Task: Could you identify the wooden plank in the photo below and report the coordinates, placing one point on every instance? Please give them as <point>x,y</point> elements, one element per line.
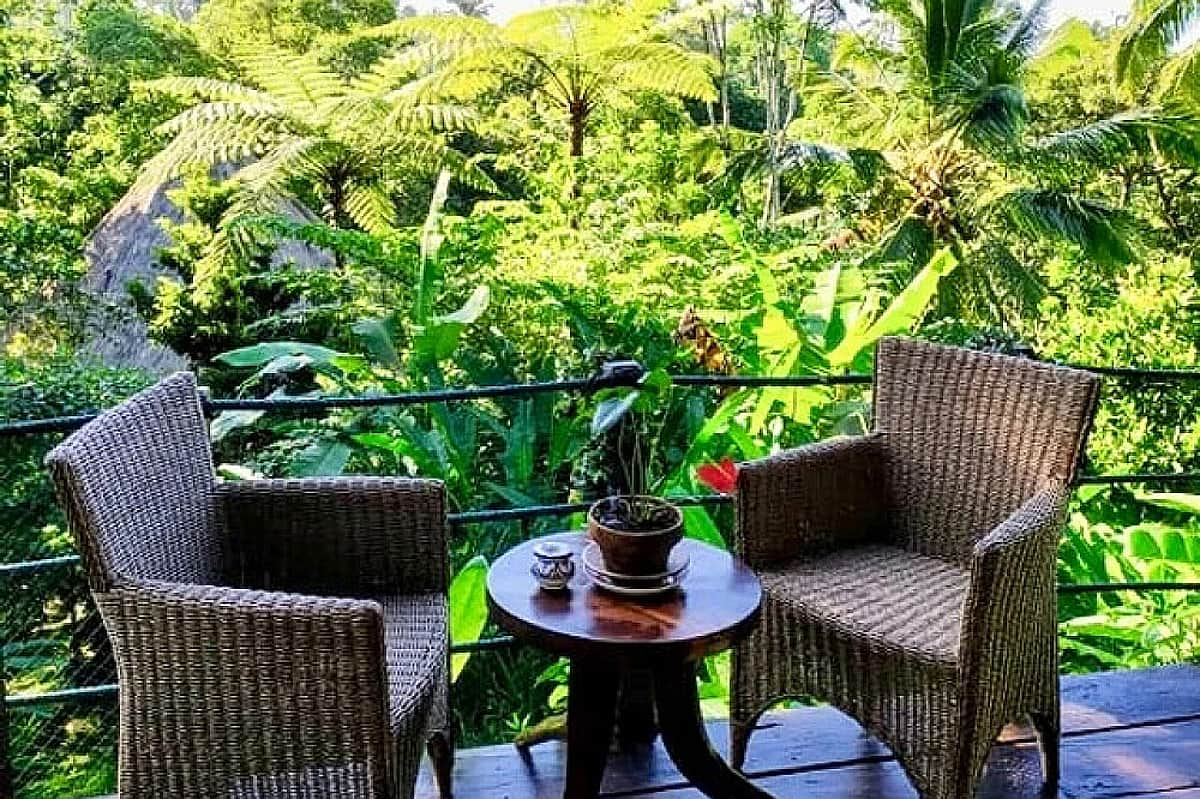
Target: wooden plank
<point>1142,761</point>
<point>796,744</point>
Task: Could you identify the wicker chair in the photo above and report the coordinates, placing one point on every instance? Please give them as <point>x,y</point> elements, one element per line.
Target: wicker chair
<point>274,638</point>
<point>909,575</point>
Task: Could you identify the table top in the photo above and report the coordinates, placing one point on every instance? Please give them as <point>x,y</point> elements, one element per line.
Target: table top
<point>717,604</point>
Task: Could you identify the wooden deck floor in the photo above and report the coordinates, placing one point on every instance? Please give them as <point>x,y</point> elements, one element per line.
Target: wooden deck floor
<point>1127,734</point>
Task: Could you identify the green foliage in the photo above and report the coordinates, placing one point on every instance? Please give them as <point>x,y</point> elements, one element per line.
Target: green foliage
<point>371,205</point>
<point>580,57</point>
<point>1122,629</point>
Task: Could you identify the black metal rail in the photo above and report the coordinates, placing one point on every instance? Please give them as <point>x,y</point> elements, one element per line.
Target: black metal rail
<point>607,378</point>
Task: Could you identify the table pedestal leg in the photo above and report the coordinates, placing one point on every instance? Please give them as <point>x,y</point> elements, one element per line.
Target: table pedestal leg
<point>591,711</point>
<point>682,728</point>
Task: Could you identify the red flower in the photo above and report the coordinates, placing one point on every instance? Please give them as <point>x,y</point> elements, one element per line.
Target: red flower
<point>720,477</point>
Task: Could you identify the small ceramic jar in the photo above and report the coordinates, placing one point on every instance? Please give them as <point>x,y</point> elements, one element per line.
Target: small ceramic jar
<point>552,565</point>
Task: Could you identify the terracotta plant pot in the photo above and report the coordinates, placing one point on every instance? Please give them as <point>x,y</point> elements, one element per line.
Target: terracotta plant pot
<point>638,551</point>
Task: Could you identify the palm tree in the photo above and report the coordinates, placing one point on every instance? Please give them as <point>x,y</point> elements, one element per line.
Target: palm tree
<point>937,103</point>
<point>1147,45</point>
<point>296,129</point>
<point>578,56</point>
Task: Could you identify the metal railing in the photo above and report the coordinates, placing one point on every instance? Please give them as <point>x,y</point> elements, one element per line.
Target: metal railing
<point>608,377</point>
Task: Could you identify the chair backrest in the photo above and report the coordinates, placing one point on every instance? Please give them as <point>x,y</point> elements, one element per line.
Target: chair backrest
<point>971,436</point>
<point>137,484</point>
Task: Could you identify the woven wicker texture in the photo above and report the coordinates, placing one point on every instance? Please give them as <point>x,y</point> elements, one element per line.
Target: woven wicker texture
<point>316,667</point>
<point>909,574</point>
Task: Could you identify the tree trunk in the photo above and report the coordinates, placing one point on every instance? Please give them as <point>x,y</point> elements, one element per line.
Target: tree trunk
<point>578,123</point>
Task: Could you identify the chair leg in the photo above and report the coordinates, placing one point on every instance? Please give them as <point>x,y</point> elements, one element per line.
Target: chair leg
<point>1049,736</point>
<point>739,741</point>
<point>441,754</point>
<point>745,709</point>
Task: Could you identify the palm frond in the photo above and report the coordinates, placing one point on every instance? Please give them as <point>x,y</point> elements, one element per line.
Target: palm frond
<point>1181,79</point>
<point>440,117</point>
<point>1173,133</point>
<point>467,171</point>
<point>1153,33</point>
<point>371,207</point>
<point>992,115</point>
<point>222,142</point>
<point>465,79</point>
<point>444,27</point>
<point>663,67</point>
<point>985,101</point>
<point>909,242</point>
<point>207,89</point>
<point>1102,232</point>
<point>1029,31</point>
<point>264,183</point>
<point>243,112</point>
<point>300,82</point>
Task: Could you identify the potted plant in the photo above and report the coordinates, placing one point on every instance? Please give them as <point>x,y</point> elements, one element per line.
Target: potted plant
<point>635,532</point>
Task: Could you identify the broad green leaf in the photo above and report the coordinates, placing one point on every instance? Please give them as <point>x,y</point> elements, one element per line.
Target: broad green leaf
<point>1173,545</point>
<point>1142,543</point>
<point>383,441</point>
<point>468,609</point>
<point>776,335</point>
<point>471,310</point>
<point>768,284</point>
<point>237,472</point>
<point>902,314</point>
<point>611,411</point>
<point>377,335</point>
<point>517,499</point>
<point>824,296</point>
<point>228,421</point>
<point>699,525</point>
<point>260,354</point>
<point>1104,656</point>
<point>1186,503</point>
<point>656,382</point>
<point>437,341</point>
<point>321,459</point>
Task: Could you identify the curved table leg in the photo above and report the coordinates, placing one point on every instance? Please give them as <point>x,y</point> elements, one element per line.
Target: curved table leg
<point>591,712</point>
<point>683,733</point>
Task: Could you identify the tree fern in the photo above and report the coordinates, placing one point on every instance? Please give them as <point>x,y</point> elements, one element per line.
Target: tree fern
<point>575,54</point>
<point>295,124</point>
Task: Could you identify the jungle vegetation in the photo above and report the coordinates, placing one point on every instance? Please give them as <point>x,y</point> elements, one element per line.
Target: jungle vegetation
<point>305,197</point>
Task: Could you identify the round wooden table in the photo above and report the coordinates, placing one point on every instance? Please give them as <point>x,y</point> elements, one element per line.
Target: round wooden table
<point>603,634</point>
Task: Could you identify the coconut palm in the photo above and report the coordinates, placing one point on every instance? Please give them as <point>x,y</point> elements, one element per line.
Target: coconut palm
<point>1148,42</point>
<point>579,57</point>
<point>937,100</point>
<point>295,130</point>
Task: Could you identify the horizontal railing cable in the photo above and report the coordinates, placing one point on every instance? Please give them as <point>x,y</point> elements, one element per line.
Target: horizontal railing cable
<point>617,378</point>
<point>101,693</point>
<point>627,379</point>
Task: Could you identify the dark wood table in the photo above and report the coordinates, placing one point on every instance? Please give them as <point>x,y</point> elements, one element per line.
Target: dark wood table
<point>605,635</point>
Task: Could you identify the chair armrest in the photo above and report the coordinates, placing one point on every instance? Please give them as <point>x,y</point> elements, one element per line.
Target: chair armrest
<point>810,499</point>
<point>257,685</point>
<point>354,536</point>
<point>1010,612</point>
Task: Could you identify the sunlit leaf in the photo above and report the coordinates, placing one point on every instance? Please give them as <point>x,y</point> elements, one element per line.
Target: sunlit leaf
<point>468,609</point>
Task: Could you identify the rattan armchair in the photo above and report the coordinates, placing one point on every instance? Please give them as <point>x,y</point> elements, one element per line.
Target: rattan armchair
<point>909,574</point>
<point>273,638</point>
